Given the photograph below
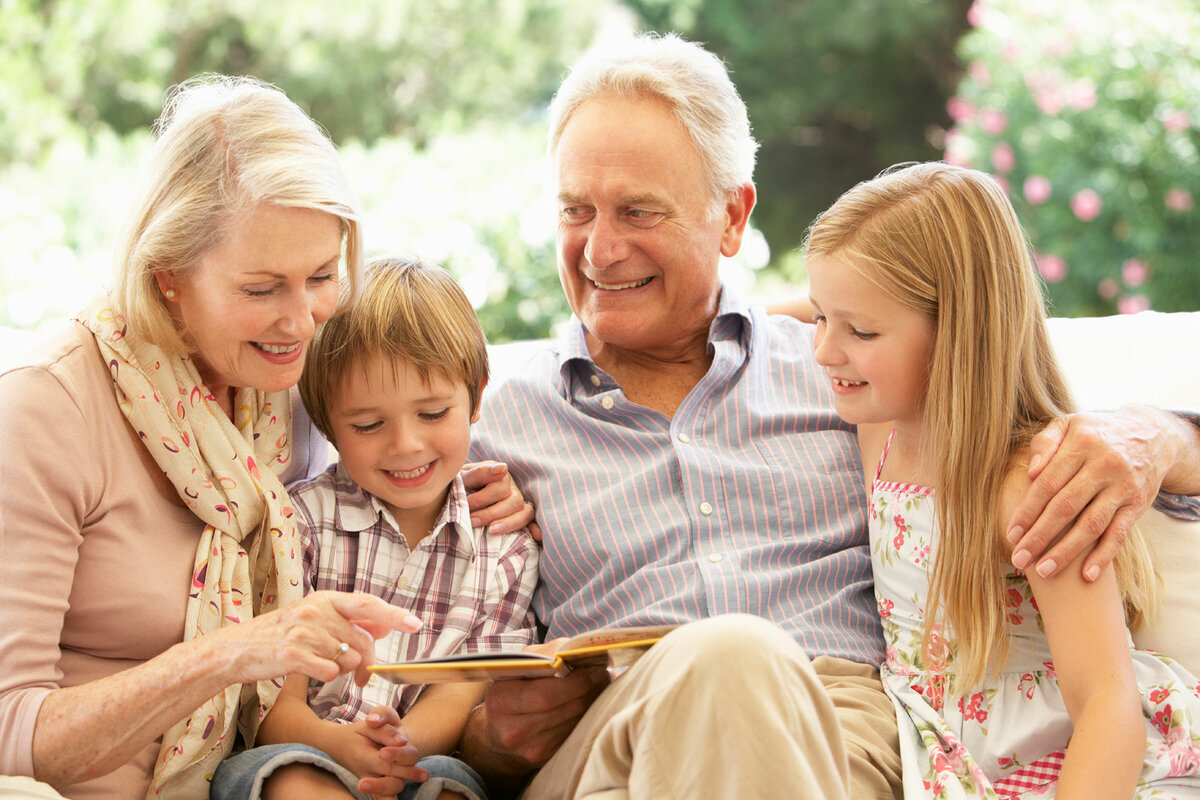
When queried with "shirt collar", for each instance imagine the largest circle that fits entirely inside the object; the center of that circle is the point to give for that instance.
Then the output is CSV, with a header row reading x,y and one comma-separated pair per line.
x,y
358,510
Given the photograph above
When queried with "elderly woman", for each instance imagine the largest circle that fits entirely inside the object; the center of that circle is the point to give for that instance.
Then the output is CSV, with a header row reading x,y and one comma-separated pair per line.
x,y
150,592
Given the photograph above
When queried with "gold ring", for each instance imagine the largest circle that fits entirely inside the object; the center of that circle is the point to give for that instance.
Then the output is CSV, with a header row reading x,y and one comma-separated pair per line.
x,y
342,649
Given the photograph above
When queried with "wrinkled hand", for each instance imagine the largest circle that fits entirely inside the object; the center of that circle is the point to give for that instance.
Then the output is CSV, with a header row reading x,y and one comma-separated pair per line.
x,y
530,719
495,500
1093,475
304,638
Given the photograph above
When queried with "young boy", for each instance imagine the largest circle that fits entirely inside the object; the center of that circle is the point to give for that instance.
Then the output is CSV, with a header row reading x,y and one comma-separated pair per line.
x,y
394,382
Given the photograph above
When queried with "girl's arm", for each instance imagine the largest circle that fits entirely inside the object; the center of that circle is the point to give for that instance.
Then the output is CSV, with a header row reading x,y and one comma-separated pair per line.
x,y
1085,626
799,307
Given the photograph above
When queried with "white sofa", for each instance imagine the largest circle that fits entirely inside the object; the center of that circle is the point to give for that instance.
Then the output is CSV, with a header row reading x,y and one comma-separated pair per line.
x,y
1151,358
1110,361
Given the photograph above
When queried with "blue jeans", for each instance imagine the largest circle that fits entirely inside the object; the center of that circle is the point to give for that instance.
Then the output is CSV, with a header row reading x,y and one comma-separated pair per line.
x,y
240,776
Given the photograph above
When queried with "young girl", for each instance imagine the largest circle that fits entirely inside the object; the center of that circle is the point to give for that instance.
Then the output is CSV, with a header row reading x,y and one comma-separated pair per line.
x,y
931,328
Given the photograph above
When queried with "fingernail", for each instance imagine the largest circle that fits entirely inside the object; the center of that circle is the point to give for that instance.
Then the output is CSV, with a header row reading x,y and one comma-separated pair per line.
x,y
497,469
1092,573
1035,462
497,527
1046,568
1021,559
414,621
373,718
1015,533
476,522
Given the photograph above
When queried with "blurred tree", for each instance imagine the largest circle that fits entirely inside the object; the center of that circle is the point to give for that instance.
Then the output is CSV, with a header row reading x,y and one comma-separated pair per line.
x,y
364,69
837,90
1092,124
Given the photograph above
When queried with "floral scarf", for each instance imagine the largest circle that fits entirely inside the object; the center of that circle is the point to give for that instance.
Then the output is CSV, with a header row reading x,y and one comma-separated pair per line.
x,y
227,474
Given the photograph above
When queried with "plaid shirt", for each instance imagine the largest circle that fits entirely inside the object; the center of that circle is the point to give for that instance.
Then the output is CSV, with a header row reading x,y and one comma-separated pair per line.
x,y
471,589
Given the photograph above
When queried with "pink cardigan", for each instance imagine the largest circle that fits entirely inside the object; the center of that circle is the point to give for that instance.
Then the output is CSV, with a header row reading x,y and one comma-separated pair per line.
x,y
95,563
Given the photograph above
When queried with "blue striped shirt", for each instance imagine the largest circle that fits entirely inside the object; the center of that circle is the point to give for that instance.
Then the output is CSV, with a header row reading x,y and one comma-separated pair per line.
x,y
750,499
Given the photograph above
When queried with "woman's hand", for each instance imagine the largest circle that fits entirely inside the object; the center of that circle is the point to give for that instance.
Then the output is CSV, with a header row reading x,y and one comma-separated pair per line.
x,y
495,500
306,637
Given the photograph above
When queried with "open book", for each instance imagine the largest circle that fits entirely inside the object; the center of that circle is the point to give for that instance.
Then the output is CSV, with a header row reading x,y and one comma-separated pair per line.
x,y
613,647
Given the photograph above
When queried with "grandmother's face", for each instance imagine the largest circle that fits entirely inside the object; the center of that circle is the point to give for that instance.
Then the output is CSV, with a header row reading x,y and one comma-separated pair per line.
x,y
250,307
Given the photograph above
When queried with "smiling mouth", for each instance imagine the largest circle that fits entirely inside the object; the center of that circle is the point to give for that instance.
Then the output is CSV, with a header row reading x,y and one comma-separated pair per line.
x,y
407,475
277,349
615,287
844,382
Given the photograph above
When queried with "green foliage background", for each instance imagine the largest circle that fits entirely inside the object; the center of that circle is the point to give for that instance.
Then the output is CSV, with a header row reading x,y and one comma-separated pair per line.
x,y
439,108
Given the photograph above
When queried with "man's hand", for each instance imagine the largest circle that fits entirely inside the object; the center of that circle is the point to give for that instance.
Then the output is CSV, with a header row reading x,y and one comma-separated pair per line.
x,y
495,500
1093,475
522,723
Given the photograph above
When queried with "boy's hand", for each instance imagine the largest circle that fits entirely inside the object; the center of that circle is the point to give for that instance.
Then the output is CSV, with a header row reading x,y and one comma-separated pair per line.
x,y
378,751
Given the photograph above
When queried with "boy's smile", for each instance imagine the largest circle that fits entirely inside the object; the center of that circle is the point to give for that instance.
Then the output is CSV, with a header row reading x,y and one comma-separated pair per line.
x,y
402,438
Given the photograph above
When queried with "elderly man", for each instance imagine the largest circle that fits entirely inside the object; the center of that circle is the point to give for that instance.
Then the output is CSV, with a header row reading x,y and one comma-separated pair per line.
x,y
687,467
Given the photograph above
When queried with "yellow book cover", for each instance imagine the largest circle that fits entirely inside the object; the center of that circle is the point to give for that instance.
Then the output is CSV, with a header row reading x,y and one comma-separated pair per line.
x,y
612,647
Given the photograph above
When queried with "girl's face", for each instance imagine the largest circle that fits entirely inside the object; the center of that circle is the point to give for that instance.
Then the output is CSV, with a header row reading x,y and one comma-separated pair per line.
x,y
875,350
250,307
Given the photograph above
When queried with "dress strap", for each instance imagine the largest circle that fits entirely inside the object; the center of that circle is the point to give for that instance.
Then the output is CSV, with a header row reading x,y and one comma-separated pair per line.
x,y
883,456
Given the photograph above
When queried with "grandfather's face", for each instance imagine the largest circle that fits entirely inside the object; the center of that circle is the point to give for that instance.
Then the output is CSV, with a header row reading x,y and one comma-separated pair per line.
x,y
638,246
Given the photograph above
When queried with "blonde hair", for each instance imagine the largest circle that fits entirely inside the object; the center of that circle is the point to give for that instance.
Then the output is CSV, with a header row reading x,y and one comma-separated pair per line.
x,y
691,81
407,310
224,146
946,241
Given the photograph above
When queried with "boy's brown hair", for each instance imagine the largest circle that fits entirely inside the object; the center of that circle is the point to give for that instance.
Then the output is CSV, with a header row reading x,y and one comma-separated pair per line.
x,y
407,310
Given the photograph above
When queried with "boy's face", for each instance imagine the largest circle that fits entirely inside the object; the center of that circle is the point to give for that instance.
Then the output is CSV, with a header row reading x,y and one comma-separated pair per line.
x,y
402,438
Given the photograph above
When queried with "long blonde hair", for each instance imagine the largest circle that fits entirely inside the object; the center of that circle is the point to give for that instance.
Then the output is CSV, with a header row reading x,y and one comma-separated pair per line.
x,y
945,241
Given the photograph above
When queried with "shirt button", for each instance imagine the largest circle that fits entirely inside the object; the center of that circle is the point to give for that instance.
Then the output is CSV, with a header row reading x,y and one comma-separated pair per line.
x,y
683,437
595,380
706,508
715,558
607,402
402,582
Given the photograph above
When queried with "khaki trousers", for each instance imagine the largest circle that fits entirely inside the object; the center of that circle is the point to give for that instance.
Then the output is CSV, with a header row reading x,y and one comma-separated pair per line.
x,y
730,707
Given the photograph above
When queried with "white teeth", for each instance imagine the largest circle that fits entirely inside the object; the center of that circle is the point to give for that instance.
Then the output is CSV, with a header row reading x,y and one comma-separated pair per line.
x,y
612,287
415,473
277,349
843,382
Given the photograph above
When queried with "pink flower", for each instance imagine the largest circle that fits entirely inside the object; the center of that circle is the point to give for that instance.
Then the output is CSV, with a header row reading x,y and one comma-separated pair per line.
x,y
1132,304
1003,157
960,110
1108,288
1037,189
1053,268
1081,95
975,15
1049,101
1134,272
1158,695
1086,204
979,73
993,122
885,608
1176,120
1011,50
1178,199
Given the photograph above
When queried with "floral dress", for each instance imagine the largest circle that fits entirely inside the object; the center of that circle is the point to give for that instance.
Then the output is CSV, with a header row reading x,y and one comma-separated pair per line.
x,y
1005,738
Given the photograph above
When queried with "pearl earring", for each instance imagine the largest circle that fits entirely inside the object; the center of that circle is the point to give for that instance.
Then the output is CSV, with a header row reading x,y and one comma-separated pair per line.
x,y
170,294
